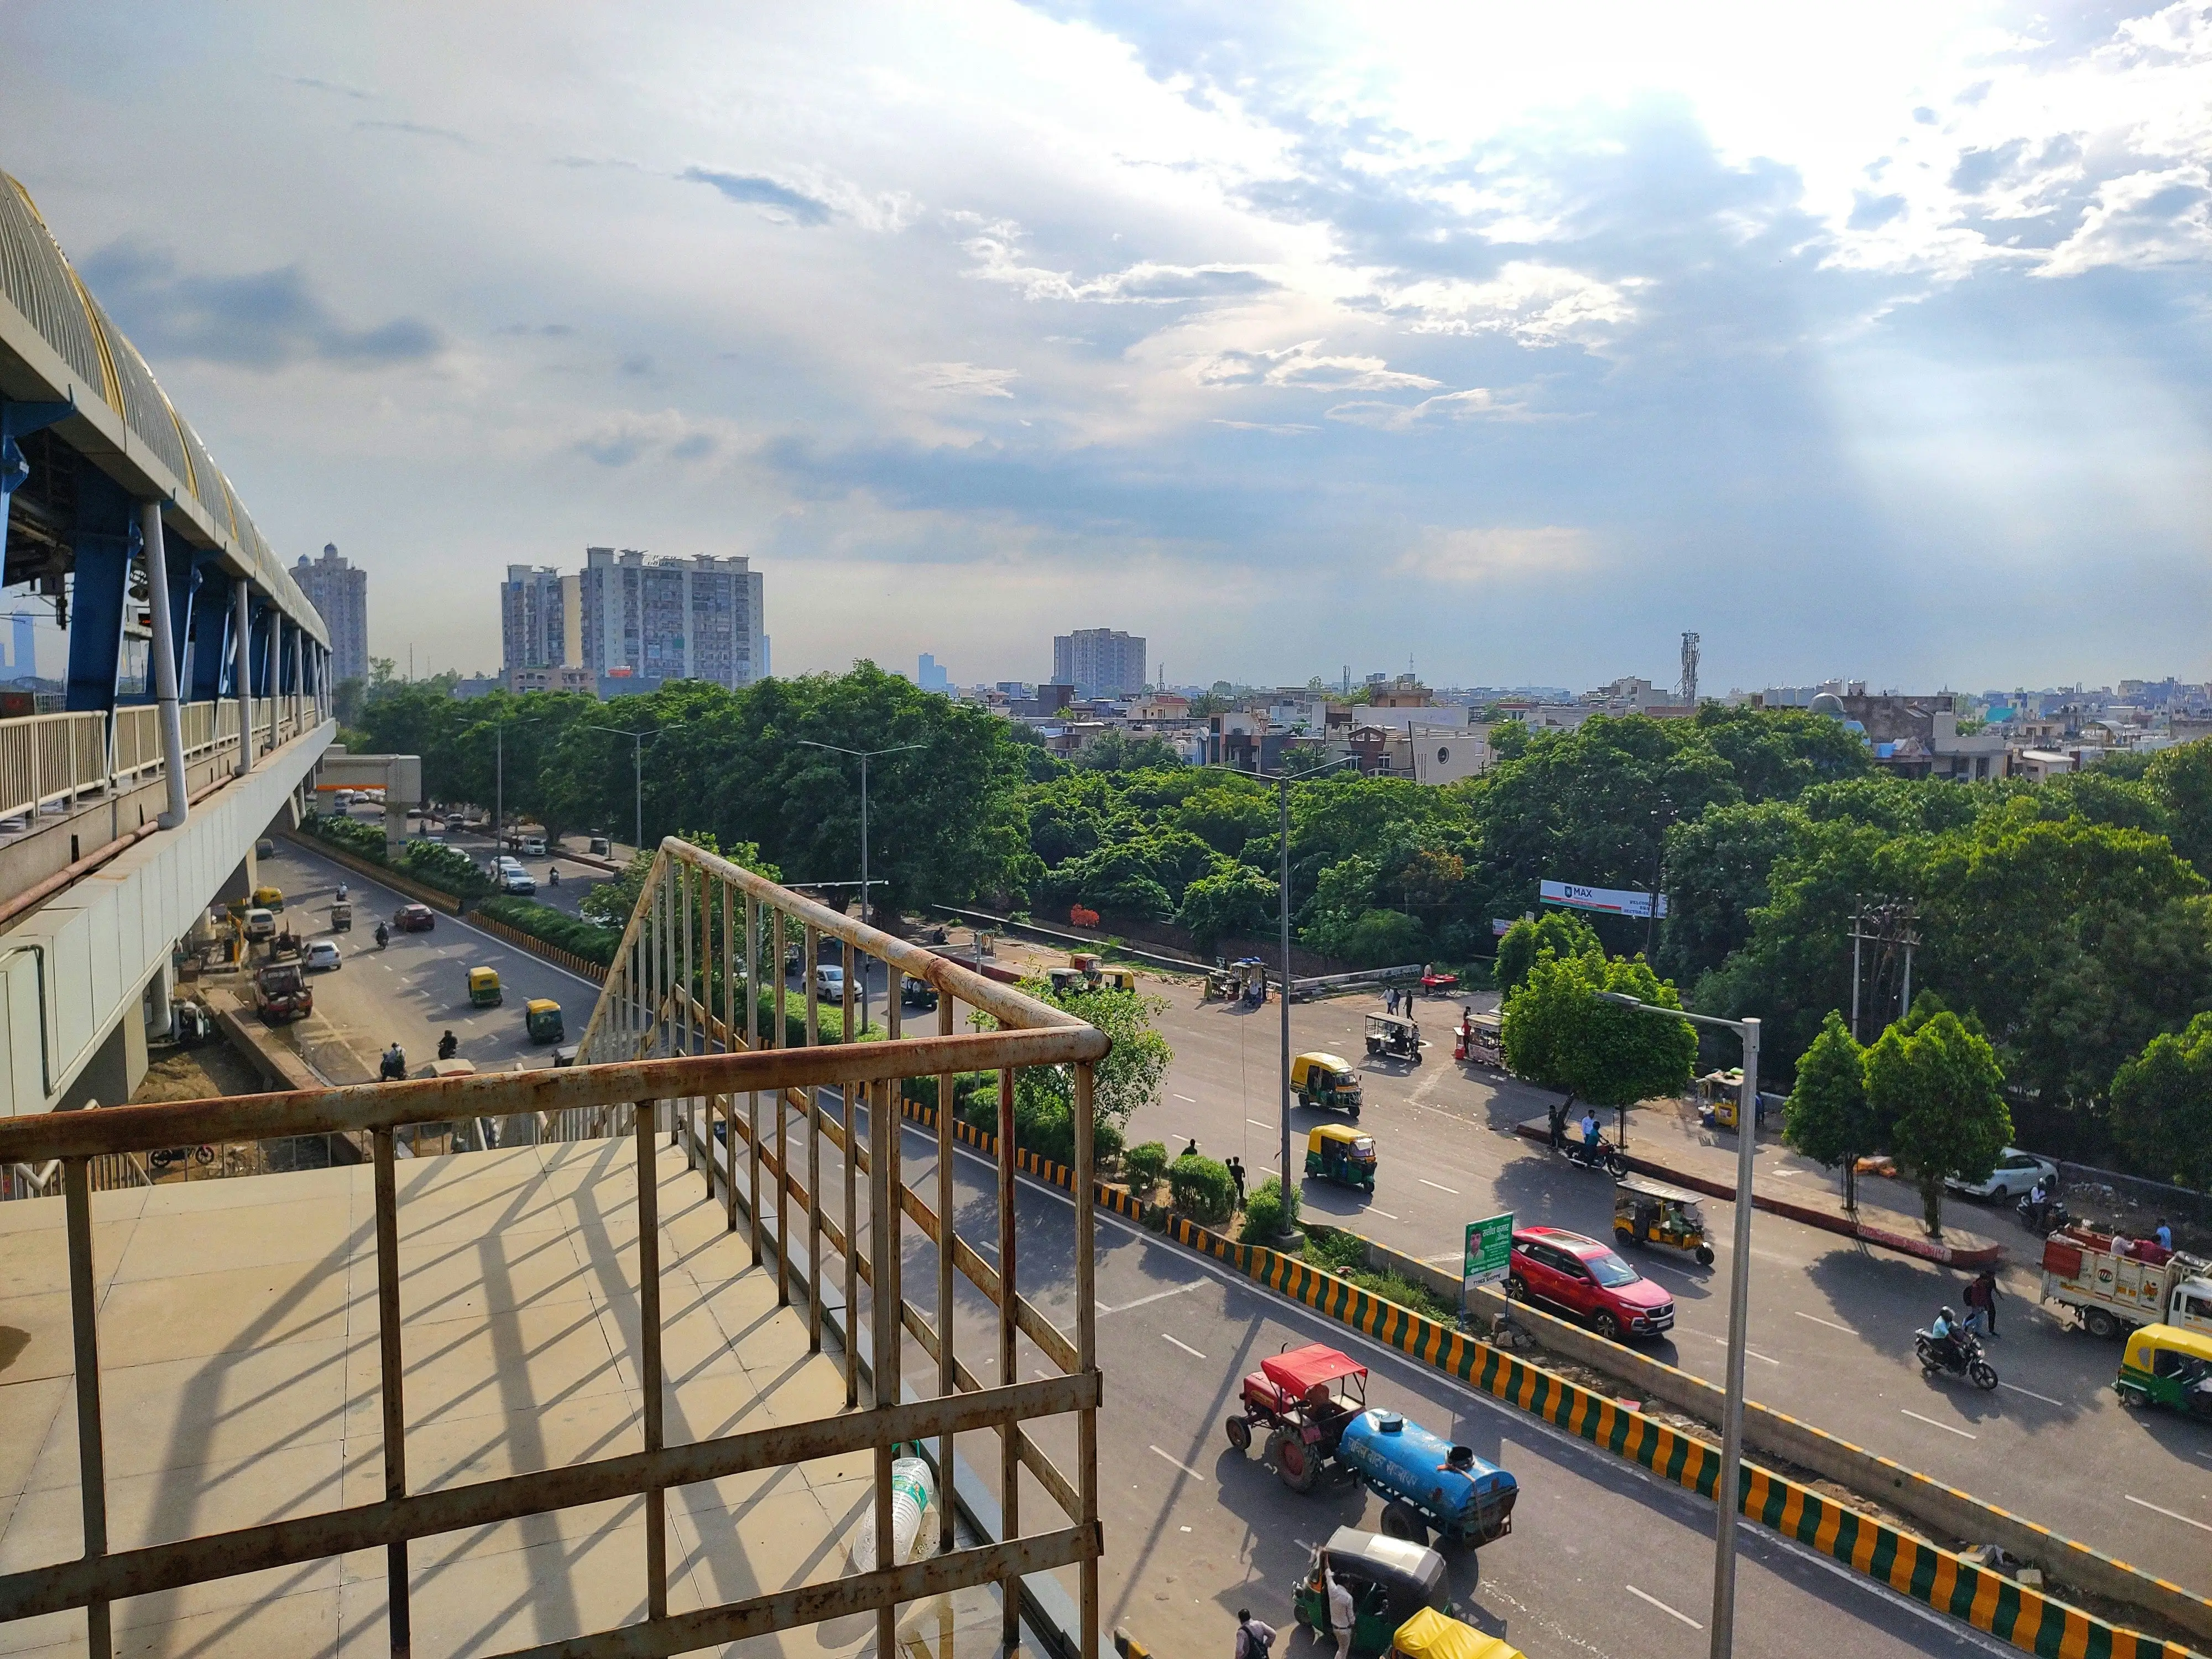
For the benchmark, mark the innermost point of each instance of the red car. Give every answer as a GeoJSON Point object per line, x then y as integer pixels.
{"type": "Point", "coordinates": [1589, 1281]}
{"type": "Point", "coordinates": [414, 919]}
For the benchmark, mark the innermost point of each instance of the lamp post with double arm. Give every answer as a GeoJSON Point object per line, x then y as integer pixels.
{"type": "Point", "coordinates": [1747, 1136]}
{"type": "Point", "coordinates": [637, 759]}
{"type": "Point", "coordinates": [864, 756]}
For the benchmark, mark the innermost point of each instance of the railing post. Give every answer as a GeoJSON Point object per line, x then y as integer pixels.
{"type": "Point", "coordinates": [84, 1330]}
{"type": "Point", "coordinates": [782, 1139]}
{"type": "Point", "coordinates": [813, 1147]}
{"type": "Point", "coordinates": [846, 1094]}
{"type": "Point", "coordinates": [883, 1306]}
{"type": "Point", "coordinates": [1010, 1467]}
{"type": "Point", "coordinates": [680, 902]}
{"type": "Point", "coordinates": [1087, 1349]}
{"type": "Point", "coordinates": [948, 1375]}
{"type": "Point", "coordinates": [730, 1043]}
{"type": "Point", "coordinates": [753, 1041]}
{"type": "Point", "coordinates": [648, 1327]}
{"type": "Point", "coordinates": [391, 1362]}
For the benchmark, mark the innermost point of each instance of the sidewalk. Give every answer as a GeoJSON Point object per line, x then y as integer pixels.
{"type": "Point", "coordinates": [1667, 1142]}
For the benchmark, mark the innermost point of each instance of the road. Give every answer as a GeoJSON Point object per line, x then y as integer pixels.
{"type": "Point", "coordinates": [1832, 1323]}
{"type": "Point", "coordinates": [1603, 1559]}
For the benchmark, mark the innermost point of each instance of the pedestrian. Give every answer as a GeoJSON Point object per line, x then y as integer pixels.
{"type": "Point", "coordinates": [1253, 1635]}
{"type": "Point", "coordinates": [1191, 1150]}
{"type": "Point", "coordinates": [1982, 1302]}
{"type": "Point", "coordinates": [1558, 1125]}
{"type": "Point", "coordinates": [2038, 1203]}
{"type": "Point", "coordinates": [1389, 999]}
{"type": "Point", "coordinates": [1340, 1616]}
{"type": "Point", "coordinates": [2163, 1234]}
{"type": "Point", "coordinates": [1589, 1128]}
{"type": "Point", "coordinates": [1237, 1174]}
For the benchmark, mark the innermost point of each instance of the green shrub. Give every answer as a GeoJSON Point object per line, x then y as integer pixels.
{"type": "Point", "coordinates": [562, 931]}
{"type": "Point", "coordinates": [1144, 1164]}
{"type": "Point", "coordinates": [362, 839]}
{"type": "Point", "coordinates": [1042, 1125]}
{"type": "Point", "coordinates": [1202, 1188]}
{"type": "Point", "coordinates": [1268, 1216]}
{"type": "Point", "coordinates": [448, 869]}
{"type": "Point", "coordinates": [1337, 1253]}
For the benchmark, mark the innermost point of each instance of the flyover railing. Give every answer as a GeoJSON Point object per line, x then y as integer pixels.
{"type": "Point", "coordinates": [48, 760]}
{"type": "Point", "coordinates": [661, 1059]}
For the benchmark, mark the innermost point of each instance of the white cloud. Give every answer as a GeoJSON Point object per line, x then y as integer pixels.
{"type": "Point", "coordinates": [1476, 402]}
{"type": "Point", "coordinates": [964, 379]}
{"type": "Point", "coordinates": [1305, 365]}
{"type": "Point", "coordinates": [1499, 553]}
{"type": "Point", "coordinates": [1537, 304]}
{"type": "Point", "coordinates": [2142, 219]}
{"type": "Point", "coordinates": [997, 253]}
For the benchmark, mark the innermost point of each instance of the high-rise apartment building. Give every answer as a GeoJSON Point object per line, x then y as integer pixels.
{"type": "Point", "coordinates": [1099, 662]}
{"type": "Point", "coordinates": [533, 620]}
{"type": "Point", "coordinates": [339, 593]}
{"type": "Point", "coordinates": [699, 618]}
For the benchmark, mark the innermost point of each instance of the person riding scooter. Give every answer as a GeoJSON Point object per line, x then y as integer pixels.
{"type": "Point", "coordinates": [449, 1045]}
{"type": "Point", "coordinates": [552, 875]}
{"type": "Point", "coordinates": [383, 936]}
{"type": "Point", "coordinates": [394, 1067]}
{"type": "Point", "coordinates": [342, 889]}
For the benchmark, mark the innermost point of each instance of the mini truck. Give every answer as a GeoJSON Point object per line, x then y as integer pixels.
{"type": "Point", "coordinates": [2113, 1293]}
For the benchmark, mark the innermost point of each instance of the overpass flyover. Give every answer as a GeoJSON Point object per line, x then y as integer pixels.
{"type": "Point", "coordinates": [197, 692]}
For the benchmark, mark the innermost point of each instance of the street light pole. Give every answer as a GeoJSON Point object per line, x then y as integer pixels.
{"type": "Point", "coordinates": [637, 762]}
{"type": "Point", "coordinates": [1747, 1137]}
{"type": "Point", "coordinates": [864, 756]}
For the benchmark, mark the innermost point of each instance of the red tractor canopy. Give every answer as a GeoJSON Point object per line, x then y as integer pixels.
{"type": "Point", "coordinates": [1299, 1371]}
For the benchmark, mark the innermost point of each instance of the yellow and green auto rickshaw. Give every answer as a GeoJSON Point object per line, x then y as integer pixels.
{"type": "Point", "coordinates": [2166, 1365]}
{"type": "Point", "coordinates": [1432, 1635]}
{"type": "Point", "coordinates": [1650, 1212]}
{"type": "Point", "coordinates": [484, 987]}
{"type": "Point", "coordinates": [1326, 1079]}
{"type": "Point", "coordinates": [541, 1018]}
{"type": "Point", "coordinates": [1338, 1153]}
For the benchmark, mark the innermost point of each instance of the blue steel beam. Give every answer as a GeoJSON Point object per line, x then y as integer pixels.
{"type": "Point", "coordinates": [19, 420]}
{"type": "Point", "coordinates": [211, 651]}
{"type": "Point", "coordinates": [106, 542]}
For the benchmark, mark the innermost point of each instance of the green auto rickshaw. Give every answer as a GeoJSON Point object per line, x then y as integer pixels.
{"type": "Point", "coordinates": [541, 1018]}
{"type": "Point", "coordinates": [484, 987]}
{"type": "Point", "coordinates": [1326, 1079]}
{"type": "Point", "coordinates": [1390, 1580]}
{"type": "Point", "coordinates": [2166, 1365]}
{"type": "Point", "coordinates": [1338, 1153]}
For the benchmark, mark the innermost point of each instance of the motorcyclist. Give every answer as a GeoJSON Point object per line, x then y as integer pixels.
{"type": "Point", "coordinates": [342, 889]}
{"type": "Point", "coordinates": [1590, 1129]}
{"type": "Point", "coordinates": [383, 936]}
{"type": "Point", "coordinates": [449, 1045]}
{"type": "Point", "coordinates": [1945, 1331]}
{"type": "Point", "coordinates": [394, 1067]}
{"type": "Point", "coordinates": [552, 875]}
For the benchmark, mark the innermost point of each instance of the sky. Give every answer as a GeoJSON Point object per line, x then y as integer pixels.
{"type": "Point", "coordinates": [1501, 342]}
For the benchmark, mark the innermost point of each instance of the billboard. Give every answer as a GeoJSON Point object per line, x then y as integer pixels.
{"type": "Point", "coordinates": [1489, 1251]}
{"type": "Point", "coordinates": [1613, 901]}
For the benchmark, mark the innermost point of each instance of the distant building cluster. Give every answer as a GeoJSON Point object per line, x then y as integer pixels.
{"type": "Point", "coordinates": [1099, 662]}
{"type": "Point", "coordinates": [339, 592]}
{"type": "Point", "coordinates": [630, 621]}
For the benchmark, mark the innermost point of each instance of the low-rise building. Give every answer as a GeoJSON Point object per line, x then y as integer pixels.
{"type": "Point", "coordinates": [522, 680]}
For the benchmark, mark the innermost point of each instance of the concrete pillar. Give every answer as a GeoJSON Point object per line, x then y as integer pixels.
{"type": "Point", "coordinates": [158, 992]}
{"type": "Point", "coordinates": [165, 662]}
{"type": "Point", "coordinates": [241, 634]}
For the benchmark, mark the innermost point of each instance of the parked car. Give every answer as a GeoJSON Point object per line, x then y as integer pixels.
{"type": "Point", "coordinates": [2016, 1174]}
{"type": "Point", "coordinates": [1586, 1280]}
{"type": "Point", "coordinates": [320, 954]}
{"type": "Point", "coordinates": [260, 925]}
{"type": "Point", "coordinates": [829, 982]}
{"type": "Point", "coordinates": [414, 919]}
{"type": "Point", "coordinates": [533, 847]}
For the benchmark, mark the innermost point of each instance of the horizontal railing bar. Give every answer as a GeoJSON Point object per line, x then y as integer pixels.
{"type": "Point", "coordinates": [1002, 1002]}
{"type": "Point", "coordinates": [500, 1094]}
{"type": "Point", "coordinates": [840, 1598]}
{"type": "Point", "coordinates": [286, 1543]}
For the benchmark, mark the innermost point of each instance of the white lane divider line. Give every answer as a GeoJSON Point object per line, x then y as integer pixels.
{"type": "Point", "coordinates": [1642, 1595]}
{"type": "Point", "coordinates": [2169, 1514]}
{"type": "Point", "coordinates": [1829, 1323]}
{"type": "Point", "coordinates": [1950, 1429]}
{"type": "Point", "coordinates": [1189, 1100]}
{"type": "Point", "coordinates": [1721, 1341]}
{"type": "Point", "coordinates": [1188, 1349]}
{"type": "Point", "coordinates": [1177, 1461]}
{"type": "Point", "coordinates": [1385, 1214]}
{"type": "Point", "coordinates": [2014, 1388]}
{"type": "Point", "coordinates": [1156, 1296]}
{"type": "Point", "coordinates": [1439, 1185]}
{"type": "Point", "coordinates": [1258, 1124]}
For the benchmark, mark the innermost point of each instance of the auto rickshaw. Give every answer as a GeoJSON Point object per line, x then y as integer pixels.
{"type": "Point", "coordinates": [541, 1018]}
{"type": "Point", "coordinates": [1390, 1580]}
{"type": "Point", "coordinates": [2166, 1365]}
{"type": "Point", "coordinates": [1336, 1153]}
{"type": "Point", "coordinates": [269, 898]}
{"type": "Point", "coordinates": [1432, 1635]}
{"type": "Point", "coordinates": [1324, 1080]}
{"type": "Point", "coordinates": [484, 987]}
{"type": "Point", "coordinates": [1393, 1035]}
{"type": "Point", "coordinates": [1117, 979]}
{"type": "Point", "coordinates": [1647, 1212]}
{"type": "Point", "coordinates": [1480, 1040]}
{"type": "Point", "coordinates": [915, 992]}
{"type": "Point", "coordinates": [342, 916]}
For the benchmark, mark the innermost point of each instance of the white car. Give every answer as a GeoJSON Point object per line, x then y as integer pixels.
{"type": "Point", "coordinates": [533, 847]}
{"type": "Point", "coordinates": [320, 953]}
{"type": "Point", "coordinates": [516, 880]}
{"type": "Point", "coordinates": [829, 982]}
{"type": "Point", "coordinates": [2014, 1176]}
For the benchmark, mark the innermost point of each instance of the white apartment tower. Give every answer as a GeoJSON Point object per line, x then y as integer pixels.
{"type": "Point", "coordinates": [532, 622]}
{"type": "Point", "coordinates": [1099, 662]}
{"type": "Point", "coordinates": [698, 618]}
{"type": "Point", "coordinates": [339, 593]}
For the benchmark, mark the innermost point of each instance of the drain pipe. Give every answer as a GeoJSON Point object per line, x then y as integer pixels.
{"type": "Point", "coordinates": [165, 662]}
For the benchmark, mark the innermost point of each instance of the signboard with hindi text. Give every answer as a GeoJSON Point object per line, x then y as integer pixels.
{"type": "Point", "coordinates": [1489, 1251]}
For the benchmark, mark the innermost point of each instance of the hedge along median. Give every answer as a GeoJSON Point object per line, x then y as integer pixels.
{"type": "Point", "coordinates": [390, 874]}
{"type": "Point", "coordinates": [1988, 1600]}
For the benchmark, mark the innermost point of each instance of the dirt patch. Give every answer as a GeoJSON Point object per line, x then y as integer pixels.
{"type": "Point", "coordinates": [204, 1072]}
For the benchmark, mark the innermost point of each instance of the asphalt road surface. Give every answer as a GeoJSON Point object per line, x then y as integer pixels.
{"type": "Point", "coordinates": [1831, 1323]}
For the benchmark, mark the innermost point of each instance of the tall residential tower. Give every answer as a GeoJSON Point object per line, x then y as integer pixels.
{"type": "Point", "coordinates": [1099, 662]}
{"type": "Point", "coordinates": [339, 593]}
{"type": "Point", "coordinates": [700, 618]}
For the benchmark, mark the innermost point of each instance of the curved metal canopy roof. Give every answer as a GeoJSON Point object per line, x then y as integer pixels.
{"type": "Point", "coordinates": [57, 345]}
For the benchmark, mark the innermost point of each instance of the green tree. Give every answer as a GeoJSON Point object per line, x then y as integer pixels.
{"type": "Point", "coordinates": [1235, 902]}
{"type": "Point", "coordinates": [1117, 751]}
{"type": "Point", "coordinates": [1557, 1033]}
{"type": "Point", "coordinates": [1777, 754]}
{"type": "Point", "coordinates": [2181, 777]}
{"type": "Point", "coordinates": [1941, 1092]}
{"type": "Point", "coordinates": [346, 700]}
{"type": "Point", "coordinates": [1828, 1117]}
{"type": "Point", "coordinates": [1718, 865]}
{"type": "Point", "coordinates": [2162, 1107]}
{"type": "Point", "coordinates": [1562, 933]}
{"type": "Point", "coordinates": [1129, 1076]}
{"type": "Point", "coordinates": [610, 903]}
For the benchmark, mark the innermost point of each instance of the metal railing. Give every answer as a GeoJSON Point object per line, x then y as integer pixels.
{"type": "Point", "coordinates": [670, 977]}
{"type": "Point", "coordinates": [50, 759]}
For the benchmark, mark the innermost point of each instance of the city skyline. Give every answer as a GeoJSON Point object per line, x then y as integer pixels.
{"type": "Point", "coordinates": [1440, 350]}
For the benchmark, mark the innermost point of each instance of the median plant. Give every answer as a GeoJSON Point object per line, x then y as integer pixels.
{"type": "Point", "coordinates": [1142, 1166]}
{"type": "Point", "coordinates": [1202, 1188]}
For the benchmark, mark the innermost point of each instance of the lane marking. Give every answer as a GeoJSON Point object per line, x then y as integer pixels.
{"type": "Point", "coordinates": [2031, 1395]}
{"type": "Point", "coordinates": [2169, 1514]}
{"type": "Point", "coordinates": [1642, 1595]}
{"type": "Point", "coordinates": [1829, 1323]}
{"type": "Point", "coordinates": [1156, 1296]}
{"type": "Point", "coordinates": [1257, 1124]}
{"type": "Point", "coordinates": [1721, 1341]}
{"type": "Point", "coordinates": [1188, 1349]}
{"type": "Point", "coordinates": [1950, 1429]}
{"type": "Point", "coordinates": [1177, 1461]}
{"type": "Point", "coordinates": [1439, 1185]}
{"type": "Point", "coordinates": [1386, 1215]}
{"type": "Point", "coordinates": [1191, 1100]}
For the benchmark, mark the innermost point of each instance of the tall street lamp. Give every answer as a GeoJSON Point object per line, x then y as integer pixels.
{"type": "Point", "coordinates": [499, 778]}
{"type": "Point", "coordinates": [864, 756]}
{"type": "Point", "coordinates": [1747, 1136]}
{"type": "Point", "coordinates": [1283, 780]}
{"type": "Point", "coordinates": [637, 757]}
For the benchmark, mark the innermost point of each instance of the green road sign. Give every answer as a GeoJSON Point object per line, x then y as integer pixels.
{"type": "Point", "coordinates": [1489, 1250]}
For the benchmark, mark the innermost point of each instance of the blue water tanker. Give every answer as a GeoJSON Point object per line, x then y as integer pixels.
{"type": "Point", "coordinates": [1426, 1483]}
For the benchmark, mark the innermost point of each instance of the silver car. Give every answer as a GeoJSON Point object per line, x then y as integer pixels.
{"type": "Point", "coordinates": [2014, 1176]}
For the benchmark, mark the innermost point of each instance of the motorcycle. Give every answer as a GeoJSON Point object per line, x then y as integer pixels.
{"type": "Point", "coordinates": [383, 936]}
{"type": "Point", "coordinates": [449, 1045]}
{"type": "Point", "coordinates": [1602, 1155]}
{"type": "Point", "coordinates": [2057, 1218]}
{"type": "Point", "coordinates": [1963, 1358]}
{"type": "Point", "coordinates": [392, 1068]}
{"type": "Point", "coordinates": [553, 877]}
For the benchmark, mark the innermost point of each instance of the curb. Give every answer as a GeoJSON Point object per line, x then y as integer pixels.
{"type": "Point", "coordinates": [1989, 1600]}
{"type": "Point", "coordinates": [582, 967]}
{"type": "Point", "coordinates": [1984, 1256]}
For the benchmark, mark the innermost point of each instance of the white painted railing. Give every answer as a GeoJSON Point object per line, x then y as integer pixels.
{"type": "Point", "coordinates": [46, 759]}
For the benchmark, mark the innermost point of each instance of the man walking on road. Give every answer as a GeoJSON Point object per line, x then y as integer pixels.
{"type": "Point", "coordinates": [1341, 1617]}
{"type": "Point", "coordinates": [1253, 1635]}
{"type": "Point", "coordinates": [1982, 1302]}
{"type": "Point", "coordinates": [1558, 1125]}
